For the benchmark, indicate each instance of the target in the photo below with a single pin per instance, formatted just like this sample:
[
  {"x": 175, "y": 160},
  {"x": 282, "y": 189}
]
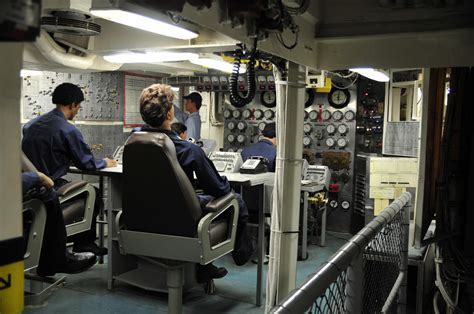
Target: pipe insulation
[{"x": 57, "y": 54}]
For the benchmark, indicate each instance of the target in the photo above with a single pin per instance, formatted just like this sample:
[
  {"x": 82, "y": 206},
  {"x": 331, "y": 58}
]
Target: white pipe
[{"x": 55, "y": 53}]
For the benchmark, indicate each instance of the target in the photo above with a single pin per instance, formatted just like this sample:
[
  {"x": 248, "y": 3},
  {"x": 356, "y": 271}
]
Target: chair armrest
[
  {"x": 70, "y": 187},
  {"x": 220, "y": 203}
]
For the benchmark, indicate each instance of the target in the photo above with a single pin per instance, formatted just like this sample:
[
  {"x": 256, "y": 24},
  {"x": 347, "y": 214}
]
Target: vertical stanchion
[
  {"x": 402, "y": 295},
  {"x": 354, "y": 285},
  {"x": 102, "y": 216}
]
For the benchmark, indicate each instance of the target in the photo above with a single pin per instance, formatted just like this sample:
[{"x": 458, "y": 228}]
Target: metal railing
[{"x": 366, "y": 275}]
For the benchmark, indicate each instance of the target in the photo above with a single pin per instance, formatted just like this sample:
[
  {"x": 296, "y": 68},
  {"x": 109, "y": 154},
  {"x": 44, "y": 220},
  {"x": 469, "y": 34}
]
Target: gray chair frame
[
  {"x": 85, "y": 223},
  {"x": 161, "y": 250}
]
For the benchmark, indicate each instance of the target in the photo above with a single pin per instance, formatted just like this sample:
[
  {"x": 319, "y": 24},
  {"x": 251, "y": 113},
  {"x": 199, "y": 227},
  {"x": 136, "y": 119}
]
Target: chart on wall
[
  {"x": 103, "y": 93},
  {"x": 133, "y": 88}
]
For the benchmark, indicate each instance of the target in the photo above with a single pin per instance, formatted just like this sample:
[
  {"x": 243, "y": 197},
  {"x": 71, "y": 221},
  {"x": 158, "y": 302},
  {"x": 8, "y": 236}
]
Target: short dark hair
[
  {"x": 179, "y": 127},
  {"x": 269, "y": 130},
  {"x": 195, "y": 98},
  {"x": 155, "y": 104},
  {"x": 67, "y": 94}
]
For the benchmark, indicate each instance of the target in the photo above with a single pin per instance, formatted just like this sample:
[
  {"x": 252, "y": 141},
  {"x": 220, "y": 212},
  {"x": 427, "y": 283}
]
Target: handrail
[{"x": 302, "y": 298}]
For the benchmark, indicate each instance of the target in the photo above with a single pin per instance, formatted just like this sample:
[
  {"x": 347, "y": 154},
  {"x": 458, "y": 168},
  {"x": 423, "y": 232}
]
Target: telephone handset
[{"x": 118, "y": 154}]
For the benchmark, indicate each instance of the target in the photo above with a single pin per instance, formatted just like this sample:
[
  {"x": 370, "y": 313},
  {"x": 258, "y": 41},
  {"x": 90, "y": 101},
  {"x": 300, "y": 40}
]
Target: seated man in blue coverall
[
  {"x": 51, "y": 143},
  {"x": 266, "y": 147},
  {"x": 192, "y": 120},
  {"x": 157, "y": 111},
  {"x": 54, "y": 258}
]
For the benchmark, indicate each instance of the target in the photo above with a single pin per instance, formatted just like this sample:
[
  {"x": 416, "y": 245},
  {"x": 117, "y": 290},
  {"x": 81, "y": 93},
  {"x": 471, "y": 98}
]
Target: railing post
[
  {"x": 402, "y": 295},
  {"x": 355, "y": 285}
]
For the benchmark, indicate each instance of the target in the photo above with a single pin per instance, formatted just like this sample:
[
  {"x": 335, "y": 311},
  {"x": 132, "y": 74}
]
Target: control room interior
[{"x": 374, "y": 150}]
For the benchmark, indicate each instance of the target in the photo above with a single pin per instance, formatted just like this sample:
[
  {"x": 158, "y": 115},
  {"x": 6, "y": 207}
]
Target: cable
[
  {"x": 280, "y": 39},
  {"x": 235, "y": 99},
  {"x": 297, "y": 10}
]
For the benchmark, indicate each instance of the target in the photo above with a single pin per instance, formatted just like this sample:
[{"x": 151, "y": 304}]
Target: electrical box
[{"x": 315, "y": 78}]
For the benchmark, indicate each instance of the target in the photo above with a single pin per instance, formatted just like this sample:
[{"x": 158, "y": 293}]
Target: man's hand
[
  {"x": 45, "y": 180},
  {"x": 110, "y": 163}
]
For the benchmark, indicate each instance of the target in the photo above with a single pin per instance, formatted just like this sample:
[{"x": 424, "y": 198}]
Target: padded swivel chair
[
  {"x": 37, "y": 289},
  {"x": 77, "y": 201},
  {"x": 161, "y": 222}
]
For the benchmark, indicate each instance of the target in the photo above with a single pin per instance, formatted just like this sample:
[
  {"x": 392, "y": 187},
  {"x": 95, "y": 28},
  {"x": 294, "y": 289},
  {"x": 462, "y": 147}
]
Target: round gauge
[
  {"x": 341, "y": 142},
  {"x": 306, "y": 115},
  {"x": 326, "y": 115},
  {"x": 215, "y": 80},
  {"x": 345, "y": 205},
  {"x": 241, "y": 138},
  {"x": 307, "y": 127},
  {"x": 270, "y": 79},
  {"x": 313, "y": 115},
  {"x": 261, "y": 126},
  {"x": 269, "y": 114},
  {"x": 330, "y": 128},
  {"x": 339, "y": 98},
  {"x": 342, "y": 129},
  {"x": 227, "y": 113},
  {"x": 223, "y": 80},
  {"x": 306, "y": 141},
  {"x": 330, "y": 142},
  {"x": 206, "y": 80},
  {"x": 261, "y": 79},
  {"x": 258, "y": 114},
  {"x": 241, "y": 125},
  {"x": 309, "y": 97},
  {"x": 236, "y": 114},
  {"x": 231, "y": 138},
  {"x": 246, "y": 114},
  {"x": 241, "y": 80},
  {"x": 349, "y": 115},
  {"x": 333, "y": 204},
  {"x": 231, "y": 125},
  {"x": 337, "y": 115},
  {"x": 268, "y": 99}
]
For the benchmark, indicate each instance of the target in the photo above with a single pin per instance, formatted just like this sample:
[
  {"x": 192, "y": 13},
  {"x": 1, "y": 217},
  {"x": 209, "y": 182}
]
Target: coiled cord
[{"x": 235, "y": 99}]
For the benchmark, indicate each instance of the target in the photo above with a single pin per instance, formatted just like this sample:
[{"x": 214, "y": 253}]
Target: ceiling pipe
[{"x": 55, "y": 53}]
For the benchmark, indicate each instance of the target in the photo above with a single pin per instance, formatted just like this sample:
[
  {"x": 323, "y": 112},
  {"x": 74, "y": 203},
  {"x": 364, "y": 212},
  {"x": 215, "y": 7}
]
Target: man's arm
[
  {"x": 81, "y": 154},
  {"x": 30, "y": 180},
  {"x": 180, "y": 115}
]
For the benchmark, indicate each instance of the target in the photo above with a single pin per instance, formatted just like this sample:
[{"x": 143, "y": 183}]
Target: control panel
[{"x": 226, "y": 161}]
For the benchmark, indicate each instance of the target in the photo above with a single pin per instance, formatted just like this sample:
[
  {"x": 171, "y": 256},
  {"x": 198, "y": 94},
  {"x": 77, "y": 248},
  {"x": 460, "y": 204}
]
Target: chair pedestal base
[{"x": 40, "y": 288}]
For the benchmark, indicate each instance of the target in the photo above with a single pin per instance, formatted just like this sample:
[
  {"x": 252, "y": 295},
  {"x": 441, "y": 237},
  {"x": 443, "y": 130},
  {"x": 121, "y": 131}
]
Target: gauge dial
[
  {"x": 330, "y": 142},
  {"x": 349, "y": 115},
  {"x": 236, "y": 114},
  {"x": 326, "y": 115},
  {"x": 206, "y": 80},
  {"x": 241, "y": 125},
  {"x": 345, "y": 205},
  {"x": 261, "y": 126},
  {"x": 313, "y": 114},
  {"x": 270, "y": 79},
  {"x": 223, "y": 80},
  {"x": 309, "y": 97},
  {"x": 258, "y": 114},
  {"x": 269, "y": 114},
  {"x": 227, "y": 113},
  {"x": 231, "y": 125},
  {"x": 339, "y": 98},
  {"x": 231, "y": 138},
  {"x": 261, "y": 79},
  {"x": 247, "y": 114},
  {"x": 333, "y": 204},
  {"x": 215, "y": 80},
  {"x": 341, "y": 142},
  {"x": 307, "y": 128},
  {"x": 306, "y": 141},
  {"x": 268, "y": 99},
  {"x": 342, "y": 129},
  {"x": 330, "y": 128},
  {"x": 337, "y": 115},
  {"x": 241, "y": 138}
]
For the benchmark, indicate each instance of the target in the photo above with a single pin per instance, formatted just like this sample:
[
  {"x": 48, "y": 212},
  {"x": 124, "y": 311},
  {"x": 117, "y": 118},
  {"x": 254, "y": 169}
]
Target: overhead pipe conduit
[{"x": 55, "y": 53}]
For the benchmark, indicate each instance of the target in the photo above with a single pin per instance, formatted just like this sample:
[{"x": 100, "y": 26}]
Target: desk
[{"x": 117, "y": 263}]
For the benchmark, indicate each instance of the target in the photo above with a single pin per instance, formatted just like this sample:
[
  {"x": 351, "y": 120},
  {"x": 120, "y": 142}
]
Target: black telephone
[{"x": 255, "y": 164}]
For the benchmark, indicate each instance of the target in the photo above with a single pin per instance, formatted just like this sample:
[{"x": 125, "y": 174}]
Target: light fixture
[
  {"x": 373, "y": 74},
  {"x": 217, "y": 64},
  {"x": 142, "y": 22},
  {"x": 25, "y": 73},
  {"x": 150, "y": 57}
]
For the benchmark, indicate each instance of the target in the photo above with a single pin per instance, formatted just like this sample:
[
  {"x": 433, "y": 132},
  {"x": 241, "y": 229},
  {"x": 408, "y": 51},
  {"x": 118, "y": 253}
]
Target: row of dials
[
  {"x": 344, "y": 204},
  {"x": 249, "y": 114},
  {"x": 330, "y": 128},
  {"x": 326, "y": 115},
  {"x": 224, "y": 80},
  {"x": 330, "y": 142},
  {"x": 242, "y": 125}
]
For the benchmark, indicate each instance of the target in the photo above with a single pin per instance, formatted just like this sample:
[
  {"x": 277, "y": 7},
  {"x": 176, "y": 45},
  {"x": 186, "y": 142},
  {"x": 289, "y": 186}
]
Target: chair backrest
[
  {"x": 157, "y": 195},
  {"x": 26, "y": 164}
]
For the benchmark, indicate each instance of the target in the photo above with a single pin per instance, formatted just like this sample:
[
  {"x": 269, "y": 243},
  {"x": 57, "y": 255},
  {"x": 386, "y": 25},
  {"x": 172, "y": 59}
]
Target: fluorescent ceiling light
[
  {"x": 373, "y": 74},
  {"x": 217, "y": 64},
  {"x": 143, "y": 23},
  {"x": 150, "y": 57},
  {"x": 24, "y": 73}
]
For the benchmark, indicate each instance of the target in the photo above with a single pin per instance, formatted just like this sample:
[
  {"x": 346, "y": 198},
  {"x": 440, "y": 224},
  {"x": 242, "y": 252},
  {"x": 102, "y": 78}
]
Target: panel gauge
[
  {"x": 261, "y": 126},
  {"x": 307, "y": 127},
  {"x": 241, "y": 138},
  {"x": 307, "y": 141},
  {"x": 345, "y": 205},
  {"x": 326, "y": 115},
  {"x": 246, "y": 114},
  {"x": 333, "y": 204},
  {"x": 268, "y": 99},
  {"x": 342, "y": 142},
  {"x": 223, "y": 80},
  {"x": 262, "y": 82},
  {"x": 339, "y": 98},
  {"x": 231, "y": 138},
  {"x": 269, "y": 114},
  {"x": 231, "y": 125},
  {"x": 330, "y": 128},
  {"x": 330, "y": 142},
  {"x": 349, "y": 115},
  {"x": 342, "y": 129},
  {"x": 236, "y": 114},
  {"x": 241, "y": 125},
  {"x": 227, "y": 113},
  {"x": 337, "y": 115},
  {"x": 313, "y": 115},
  {"x": 258, "y": 114},
  {"x": 271, "y": 82}
]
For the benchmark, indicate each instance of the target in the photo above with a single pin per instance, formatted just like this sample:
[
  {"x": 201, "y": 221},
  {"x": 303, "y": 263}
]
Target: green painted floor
[{"x": 87, "y": 292}]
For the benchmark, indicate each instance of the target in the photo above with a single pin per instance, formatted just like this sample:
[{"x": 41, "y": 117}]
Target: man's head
[
  {"x": 192, "y": 102},
  {"x": 269, "y": 132},
  {"x": 180, "y": 129},
  {"x": 156, "y": 106},
  {"x": 68, "y": 97}
]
